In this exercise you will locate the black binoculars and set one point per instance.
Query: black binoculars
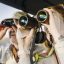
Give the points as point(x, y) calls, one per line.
point(42, 16)
point(8, 22)
point(28, 21)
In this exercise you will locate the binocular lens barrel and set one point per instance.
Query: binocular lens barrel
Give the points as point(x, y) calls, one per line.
point(23, 21)
point(42, 16)
point(8, 22)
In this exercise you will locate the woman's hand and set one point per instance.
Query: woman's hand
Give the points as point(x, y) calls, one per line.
point(29, 38)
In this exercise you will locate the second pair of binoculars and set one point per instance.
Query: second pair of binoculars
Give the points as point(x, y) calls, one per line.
point(27, 20)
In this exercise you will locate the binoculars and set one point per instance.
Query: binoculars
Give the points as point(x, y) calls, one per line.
point(8, 22)
point(42, 16)
point(25, 21)
point(28, 21)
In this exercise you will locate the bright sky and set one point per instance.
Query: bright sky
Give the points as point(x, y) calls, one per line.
point(6, 11)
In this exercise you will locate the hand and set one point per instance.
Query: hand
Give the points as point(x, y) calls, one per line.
point(29, 38)
point(3, 32)
point(55, 23)
point(6, 28)
point(14, 28)
point(25, 42)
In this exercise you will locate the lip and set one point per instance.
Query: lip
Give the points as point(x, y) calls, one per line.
point(12, 35)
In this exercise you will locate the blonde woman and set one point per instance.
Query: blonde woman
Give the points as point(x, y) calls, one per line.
point(25, 38)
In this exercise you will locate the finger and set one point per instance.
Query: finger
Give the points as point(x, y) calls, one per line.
point(6, 28)
point(29, 39)
point(19, 40)
point(14, 28)
point(16, 22)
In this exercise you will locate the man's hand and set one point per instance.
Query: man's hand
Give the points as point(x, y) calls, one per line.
point(3, 32)
point(14, 28)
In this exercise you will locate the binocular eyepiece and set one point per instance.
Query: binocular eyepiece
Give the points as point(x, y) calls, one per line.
point(42, 16)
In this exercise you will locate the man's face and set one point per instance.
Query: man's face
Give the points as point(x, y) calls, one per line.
point(12, 35)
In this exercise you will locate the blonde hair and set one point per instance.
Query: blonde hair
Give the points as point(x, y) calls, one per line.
point(18, 14)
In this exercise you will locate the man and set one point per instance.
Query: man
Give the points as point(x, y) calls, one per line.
point(8, 55)
point(13, 48)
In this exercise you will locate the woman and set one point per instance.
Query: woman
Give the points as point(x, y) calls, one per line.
point(25, 38)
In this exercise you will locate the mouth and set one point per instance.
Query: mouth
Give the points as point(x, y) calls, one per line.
point(12, 35)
